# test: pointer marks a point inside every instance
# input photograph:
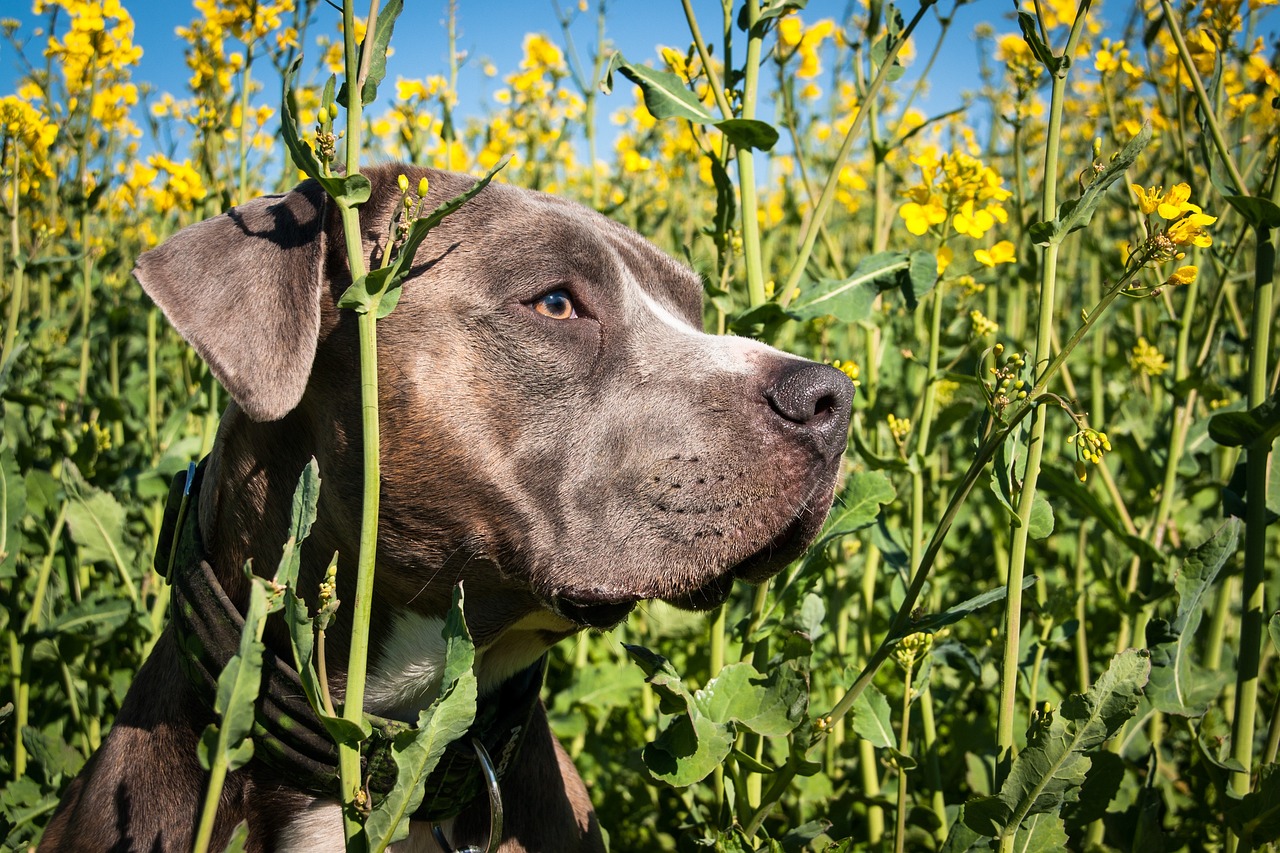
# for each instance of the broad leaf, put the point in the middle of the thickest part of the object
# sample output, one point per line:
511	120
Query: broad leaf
1256	817
13	505
1178	684
749	133
95	520
665	94
1051	769
1256	428
858	505
870	718
849	300
771	705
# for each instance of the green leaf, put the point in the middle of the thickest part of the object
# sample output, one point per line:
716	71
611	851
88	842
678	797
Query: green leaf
378	62
1040	525
771	705
1075	214
1256	817
871	719
101	615
418	751
922	275
961	838
227	741
1027	24
849	300
1052	767
859	504
1178	684
239	838
1041	833
303	515
1234	493
688	750
1256	428
665	94
96	521
693	744
1258	212
13	506
749	133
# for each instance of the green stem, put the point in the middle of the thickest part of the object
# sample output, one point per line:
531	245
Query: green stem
242	193
1035	444
904	747
20	696
754	261
17	295
358	656
1257	467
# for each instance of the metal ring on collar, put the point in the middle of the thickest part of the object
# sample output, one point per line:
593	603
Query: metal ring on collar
495	808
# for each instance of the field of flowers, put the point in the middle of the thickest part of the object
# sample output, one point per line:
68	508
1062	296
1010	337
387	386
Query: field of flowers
1039	617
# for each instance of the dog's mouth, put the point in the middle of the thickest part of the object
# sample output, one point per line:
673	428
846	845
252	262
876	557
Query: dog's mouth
591	610
604	610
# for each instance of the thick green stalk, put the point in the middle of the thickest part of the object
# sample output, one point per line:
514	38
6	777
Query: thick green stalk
242	194
17	295
1035	444
21	697
1257	466
904	747
358	657
746	164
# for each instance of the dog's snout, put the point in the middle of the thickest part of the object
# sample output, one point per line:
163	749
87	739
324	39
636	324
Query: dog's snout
817	398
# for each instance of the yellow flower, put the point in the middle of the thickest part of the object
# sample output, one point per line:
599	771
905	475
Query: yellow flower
981	325
1000	253
1182	275
973	222
919	217
1175	203
945	256
1189	230
1146	360
848	368
1149	199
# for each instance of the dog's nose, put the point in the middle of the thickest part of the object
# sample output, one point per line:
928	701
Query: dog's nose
816	398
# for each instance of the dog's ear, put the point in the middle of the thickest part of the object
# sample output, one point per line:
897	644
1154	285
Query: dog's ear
244	289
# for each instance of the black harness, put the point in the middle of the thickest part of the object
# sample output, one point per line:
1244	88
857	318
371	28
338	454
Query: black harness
289	739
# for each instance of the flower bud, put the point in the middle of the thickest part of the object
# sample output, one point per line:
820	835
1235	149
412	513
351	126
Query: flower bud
423	186
403	180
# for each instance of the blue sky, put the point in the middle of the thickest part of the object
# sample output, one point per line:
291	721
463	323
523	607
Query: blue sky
495	30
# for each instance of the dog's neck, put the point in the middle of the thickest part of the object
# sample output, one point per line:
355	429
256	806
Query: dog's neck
244	508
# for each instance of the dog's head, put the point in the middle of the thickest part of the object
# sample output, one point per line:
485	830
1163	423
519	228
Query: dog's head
557	430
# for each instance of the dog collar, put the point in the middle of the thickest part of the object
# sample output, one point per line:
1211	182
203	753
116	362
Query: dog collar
289	738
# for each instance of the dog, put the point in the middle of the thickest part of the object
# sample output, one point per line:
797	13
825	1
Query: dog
557	433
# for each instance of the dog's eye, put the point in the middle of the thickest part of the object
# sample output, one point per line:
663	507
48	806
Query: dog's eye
557	305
